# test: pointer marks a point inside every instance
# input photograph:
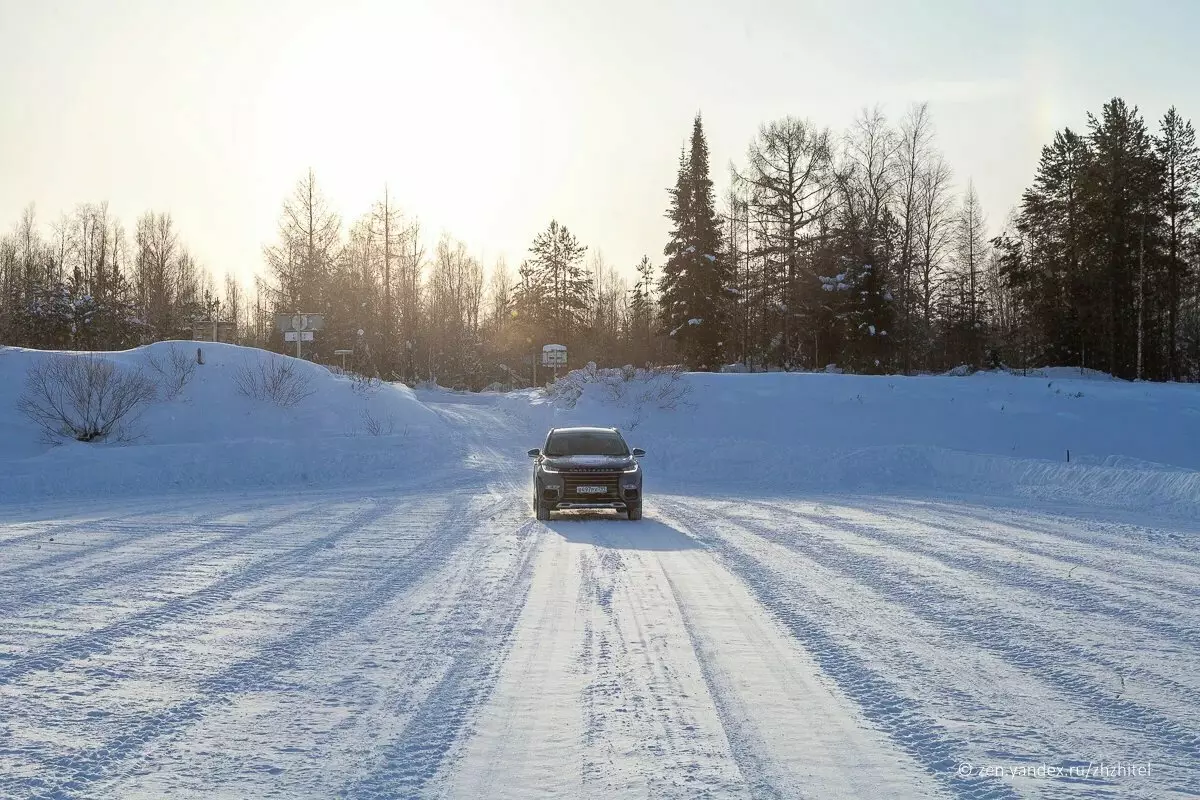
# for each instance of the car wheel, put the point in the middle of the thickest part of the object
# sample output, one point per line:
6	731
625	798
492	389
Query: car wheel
635	511
540	510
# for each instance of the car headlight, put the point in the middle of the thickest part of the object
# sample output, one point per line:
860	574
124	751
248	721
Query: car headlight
632	467
548	468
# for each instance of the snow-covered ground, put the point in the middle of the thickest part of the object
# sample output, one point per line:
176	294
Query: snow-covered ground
843	587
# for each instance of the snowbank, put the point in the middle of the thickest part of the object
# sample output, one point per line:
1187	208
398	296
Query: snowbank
211	436
1132	445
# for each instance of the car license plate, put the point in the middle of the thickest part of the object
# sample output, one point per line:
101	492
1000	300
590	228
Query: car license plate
591	490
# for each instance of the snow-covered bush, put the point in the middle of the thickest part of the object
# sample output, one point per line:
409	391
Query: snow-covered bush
84	397
378	426
628	386
274	379
173	369
364	385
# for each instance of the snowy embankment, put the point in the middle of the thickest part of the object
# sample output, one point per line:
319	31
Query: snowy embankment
1131	445
244	419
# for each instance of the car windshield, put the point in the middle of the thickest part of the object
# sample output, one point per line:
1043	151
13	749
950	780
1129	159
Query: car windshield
586	443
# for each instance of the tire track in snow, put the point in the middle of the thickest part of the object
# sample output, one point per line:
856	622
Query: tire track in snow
1183	551
949	609
98	578
412	761
257	672
1126	612
84	645
902	718
1149	575
648	723
60	528
762	780
1017	642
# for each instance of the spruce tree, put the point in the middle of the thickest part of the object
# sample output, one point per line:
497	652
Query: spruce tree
1122	209
557	258
1059	300
1180	160
641	311
695	287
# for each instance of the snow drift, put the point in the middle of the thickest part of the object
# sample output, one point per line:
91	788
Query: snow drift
218	430
1131	445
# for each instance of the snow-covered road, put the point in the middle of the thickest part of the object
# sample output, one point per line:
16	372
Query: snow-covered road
433	640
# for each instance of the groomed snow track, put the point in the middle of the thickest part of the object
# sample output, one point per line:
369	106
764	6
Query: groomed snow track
432	640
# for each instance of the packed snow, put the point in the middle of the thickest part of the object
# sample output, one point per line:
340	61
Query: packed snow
843	586
212	437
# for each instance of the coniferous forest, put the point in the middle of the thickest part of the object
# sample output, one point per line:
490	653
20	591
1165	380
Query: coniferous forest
861	249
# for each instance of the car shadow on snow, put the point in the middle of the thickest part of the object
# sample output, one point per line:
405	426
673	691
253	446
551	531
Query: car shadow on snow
614	531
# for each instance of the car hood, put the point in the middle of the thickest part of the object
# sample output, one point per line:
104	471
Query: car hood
589	462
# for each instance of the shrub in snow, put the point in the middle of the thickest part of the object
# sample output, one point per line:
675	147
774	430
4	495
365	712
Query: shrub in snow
661	387
275	379
173	369
364	385
84	397
377	426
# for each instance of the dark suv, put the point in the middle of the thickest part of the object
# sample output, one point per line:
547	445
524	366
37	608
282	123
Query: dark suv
587	468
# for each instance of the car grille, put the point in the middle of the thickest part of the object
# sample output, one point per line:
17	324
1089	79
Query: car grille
590	477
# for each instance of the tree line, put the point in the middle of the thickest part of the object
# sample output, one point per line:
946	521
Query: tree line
90	286
855	249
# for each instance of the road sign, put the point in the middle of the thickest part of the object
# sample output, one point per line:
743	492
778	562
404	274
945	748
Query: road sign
299	327
554	355
300	322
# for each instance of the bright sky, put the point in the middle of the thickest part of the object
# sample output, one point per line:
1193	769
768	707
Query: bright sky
487	118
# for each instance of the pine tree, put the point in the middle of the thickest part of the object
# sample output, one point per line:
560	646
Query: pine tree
1055	278
695	286
1121	208
641	311
557	257
1180	159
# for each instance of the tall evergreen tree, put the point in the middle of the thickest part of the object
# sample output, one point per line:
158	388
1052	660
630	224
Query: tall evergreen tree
1122	209
557	258
1180	160
695	286
1058	279
641	311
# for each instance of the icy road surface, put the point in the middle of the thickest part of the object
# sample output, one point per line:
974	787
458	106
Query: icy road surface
433	640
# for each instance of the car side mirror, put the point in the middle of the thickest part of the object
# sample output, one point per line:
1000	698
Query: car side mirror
534	453
638	452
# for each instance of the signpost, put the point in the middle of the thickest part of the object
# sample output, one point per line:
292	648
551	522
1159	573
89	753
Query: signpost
299	328
343	354
554	355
